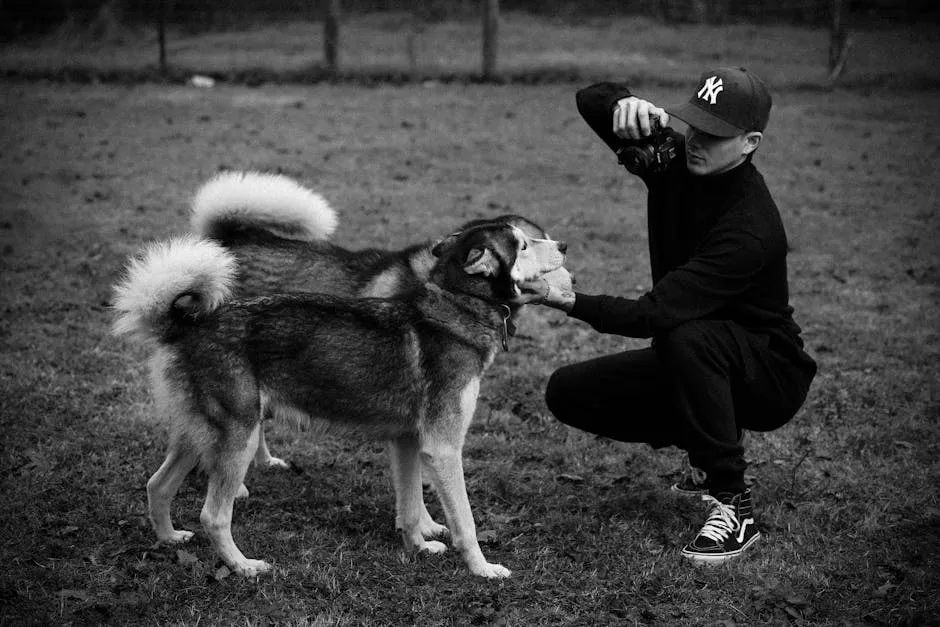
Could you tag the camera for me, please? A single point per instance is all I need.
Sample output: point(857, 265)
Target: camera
point(651, 154)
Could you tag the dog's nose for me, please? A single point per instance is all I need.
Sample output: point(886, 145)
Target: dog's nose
point(563, 247)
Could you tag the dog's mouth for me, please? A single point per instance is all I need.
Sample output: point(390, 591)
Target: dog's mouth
point(535, 257)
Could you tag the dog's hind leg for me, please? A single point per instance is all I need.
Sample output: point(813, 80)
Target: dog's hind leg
point(163, 486)
point(263, 455)
point(263, 459)
point(411, 514)
point(429, 527)
point(226, 473)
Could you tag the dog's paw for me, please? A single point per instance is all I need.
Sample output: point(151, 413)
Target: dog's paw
point(251, 568)
point(430, 529)
point(276, 462)
point(177, 536)
point(432, 547)
point(242, 492)
point(492, 571)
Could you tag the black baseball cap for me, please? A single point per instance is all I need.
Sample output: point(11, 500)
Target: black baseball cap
point(727, 102)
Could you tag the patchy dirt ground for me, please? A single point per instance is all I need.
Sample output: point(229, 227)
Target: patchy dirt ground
point(847, 491)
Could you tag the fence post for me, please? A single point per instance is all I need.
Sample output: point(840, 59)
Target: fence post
point(490, 37)
point(161, 34)
point(331, 36)
point(839, 42)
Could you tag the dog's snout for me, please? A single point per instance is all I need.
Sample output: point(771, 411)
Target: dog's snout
point(563, 246)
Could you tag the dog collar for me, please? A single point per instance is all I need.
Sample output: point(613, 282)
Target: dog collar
point(509, 327)
point(505, 328)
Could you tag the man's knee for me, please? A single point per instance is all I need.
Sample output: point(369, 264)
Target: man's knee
point(559, 392)
point(554, 391)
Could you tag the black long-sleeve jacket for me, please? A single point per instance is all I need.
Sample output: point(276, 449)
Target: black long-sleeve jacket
point(717, 247)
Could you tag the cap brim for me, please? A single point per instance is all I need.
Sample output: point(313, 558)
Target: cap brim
point(703, 120)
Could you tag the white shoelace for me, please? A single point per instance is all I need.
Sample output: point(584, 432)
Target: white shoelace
point(698, 476)
point(721, 521)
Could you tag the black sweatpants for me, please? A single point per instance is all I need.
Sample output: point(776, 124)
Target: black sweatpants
point(697, 388)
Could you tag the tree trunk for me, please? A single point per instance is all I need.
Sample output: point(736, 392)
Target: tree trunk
point(490, 37)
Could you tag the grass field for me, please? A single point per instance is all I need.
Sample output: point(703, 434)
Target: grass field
point(847, 492)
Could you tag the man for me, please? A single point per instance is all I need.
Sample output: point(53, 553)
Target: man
point(726, 354)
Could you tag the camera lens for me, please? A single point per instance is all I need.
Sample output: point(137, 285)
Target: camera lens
point(635, 159)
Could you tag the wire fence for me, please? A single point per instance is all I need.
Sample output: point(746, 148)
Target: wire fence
point(479, 39)
point(25, 17)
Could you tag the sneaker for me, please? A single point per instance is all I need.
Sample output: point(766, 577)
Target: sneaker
point(692, 483)
point(728, 531)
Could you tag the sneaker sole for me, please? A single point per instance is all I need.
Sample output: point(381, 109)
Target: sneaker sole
point(683, 492)
point(704, 559)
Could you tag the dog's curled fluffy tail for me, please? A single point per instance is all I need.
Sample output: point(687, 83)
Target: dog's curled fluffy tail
point(242, 202)
point(170, 282)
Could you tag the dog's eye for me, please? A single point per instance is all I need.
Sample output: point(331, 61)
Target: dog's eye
point(525, 245)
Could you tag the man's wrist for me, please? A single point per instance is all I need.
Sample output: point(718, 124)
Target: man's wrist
point(559, 299)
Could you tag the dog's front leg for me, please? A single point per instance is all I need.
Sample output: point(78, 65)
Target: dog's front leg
point(445, 464)
point(411, 514)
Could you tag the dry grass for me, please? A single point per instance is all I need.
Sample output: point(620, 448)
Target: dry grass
point(846, 493)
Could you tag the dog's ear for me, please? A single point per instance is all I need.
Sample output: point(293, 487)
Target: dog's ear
point(441, 247)
point(481, 261)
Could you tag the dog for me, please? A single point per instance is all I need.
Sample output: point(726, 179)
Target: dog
point(405, 369)
point(278, 231)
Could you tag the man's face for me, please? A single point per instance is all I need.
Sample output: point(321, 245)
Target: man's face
point(709, 154)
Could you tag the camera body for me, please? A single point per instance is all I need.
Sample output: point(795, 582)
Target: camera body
point(651, 154)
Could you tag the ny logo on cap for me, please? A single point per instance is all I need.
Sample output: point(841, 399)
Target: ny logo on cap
point(710, 90)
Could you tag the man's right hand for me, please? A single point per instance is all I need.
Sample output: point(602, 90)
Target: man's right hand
point(554, 289)
point(632, 117)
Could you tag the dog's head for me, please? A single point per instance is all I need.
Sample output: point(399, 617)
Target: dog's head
point(491, 258)
point(527, 226)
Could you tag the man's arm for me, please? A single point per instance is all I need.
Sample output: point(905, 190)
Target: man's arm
point(615, 114)
point(696, 289)
point(693, 291)
point(596, 105)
